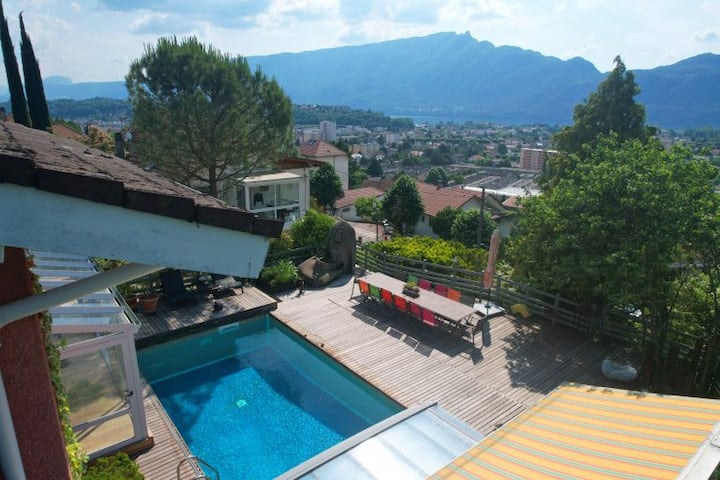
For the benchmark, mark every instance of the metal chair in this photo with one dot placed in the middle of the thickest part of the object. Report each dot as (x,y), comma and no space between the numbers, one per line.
(375,293)
(387,297)
(400,304)
(425,284)
(428,318)
(364,289)
(441,289)
(453,294)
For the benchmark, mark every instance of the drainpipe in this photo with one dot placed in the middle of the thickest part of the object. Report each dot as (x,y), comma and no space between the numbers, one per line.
(10,456)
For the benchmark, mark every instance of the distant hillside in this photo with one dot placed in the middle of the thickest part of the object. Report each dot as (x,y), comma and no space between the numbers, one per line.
(450,76)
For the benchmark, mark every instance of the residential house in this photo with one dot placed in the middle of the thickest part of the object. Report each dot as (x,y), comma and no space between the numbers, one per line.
(57,195)
(319,150)
(345,206)
(280,195)
(435,199)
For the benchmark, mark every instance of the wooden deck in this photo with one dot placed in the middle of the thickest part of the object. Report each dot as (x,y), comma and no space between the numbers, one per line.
(484,386)
(169,322)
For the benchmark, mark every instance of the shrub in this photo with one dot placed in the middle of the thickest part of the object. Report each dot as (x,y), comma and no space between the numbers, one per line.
(312,229)
(443,252)
(116,467)
(282,272)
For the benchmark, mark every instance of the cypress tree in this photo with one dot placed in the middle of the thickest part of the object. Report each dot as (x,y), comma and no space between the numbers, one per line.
(17,95)
(39,113)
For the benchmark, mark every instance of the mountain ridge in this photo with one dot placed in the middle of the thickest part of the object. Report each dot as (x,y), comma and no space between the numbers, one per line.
(454,77)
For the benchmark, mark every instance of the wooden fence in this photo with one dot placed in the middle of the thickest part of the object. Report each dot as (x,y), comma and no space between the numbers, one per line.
(504,292)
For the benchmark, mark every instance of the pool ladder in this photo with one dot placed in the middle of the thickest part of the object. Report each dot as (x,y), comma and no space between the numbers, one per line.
(200,462)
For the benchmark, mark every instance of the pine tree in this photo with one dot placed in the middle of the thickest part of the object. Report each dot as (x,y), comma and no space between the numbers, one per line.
(39,113)
(17,94)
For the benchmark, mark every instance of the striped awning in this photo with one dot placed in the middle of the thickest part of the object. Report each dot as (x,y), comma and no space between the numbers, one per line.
(585,432)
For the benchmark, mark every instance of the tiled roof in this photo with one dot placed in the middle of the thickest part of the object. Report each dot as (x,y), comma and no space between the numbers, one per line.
(377,182)
(511,202)
(34,158)
(319,149)
(288,163)
(351,196)
(435,199)
(67,132)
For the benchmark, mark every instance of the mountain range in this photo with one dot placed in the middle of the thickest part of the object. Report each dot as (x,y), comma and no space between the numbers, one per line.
(454,77)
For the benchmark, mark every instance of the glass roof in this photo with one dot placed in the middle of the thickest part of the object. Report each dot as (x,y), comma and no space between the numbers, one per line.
(97,310)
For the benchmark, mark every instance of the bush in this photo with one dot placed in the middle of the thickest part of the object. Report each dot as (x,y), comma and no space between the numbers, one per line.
(443,252)
(312,229)
(280,273)
(116,467)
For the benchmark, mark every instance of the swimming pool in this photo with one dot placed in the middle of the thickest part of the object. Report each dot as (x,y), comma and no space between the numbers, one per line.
(253,399)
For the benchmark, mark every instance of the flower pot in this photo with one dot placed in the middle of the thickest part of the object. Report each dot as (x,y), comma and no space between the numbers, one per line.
(133,302)
(149,302)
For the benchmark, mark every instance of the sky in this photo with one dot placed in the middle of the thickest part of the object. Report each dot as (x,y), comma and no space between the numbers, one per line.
(96,40)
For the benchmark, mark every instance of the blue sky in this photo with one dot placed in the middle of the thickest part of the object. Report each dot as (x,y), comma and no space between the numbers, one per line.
(95,40)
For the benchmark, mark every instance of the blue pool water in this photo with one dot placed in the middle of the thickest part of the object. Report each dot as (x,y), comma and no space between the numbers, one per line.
(254,400)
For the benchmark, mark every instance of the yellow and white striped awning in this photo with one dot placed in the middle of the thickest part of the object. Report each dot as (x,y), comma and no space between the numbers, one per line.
(585,432)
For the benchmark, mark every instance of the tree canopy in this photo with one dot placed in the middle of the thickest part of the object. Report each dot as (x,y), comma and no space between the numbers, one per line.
(466,224)
(326,186)
(12,70)
(370,208)
(442,223)
(437,176)
(37,104)
(202,116)
(402,204)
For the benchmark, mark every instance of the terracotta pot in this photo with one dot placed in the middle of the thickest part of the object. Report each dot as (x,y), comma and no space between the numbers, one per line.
(149,302)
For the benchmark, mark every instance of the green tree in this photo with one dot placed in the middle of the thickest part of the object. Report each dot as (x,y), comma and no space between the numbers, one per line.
(402,205)
(374,168)
(615,229)
(370,208)
(502,149)
(356,175)
(437,176)
(17,94)
(610,110)
(442,223)
(326,186)
(466,225)
(311,230)
(202,116)
(39,114)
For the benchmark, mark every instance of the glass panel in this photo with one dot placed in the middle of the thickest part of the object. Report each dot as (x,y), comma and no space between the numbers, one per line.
(73,338)
(106,434)
(95,384)
(259,197)
(288,193)
(288,214)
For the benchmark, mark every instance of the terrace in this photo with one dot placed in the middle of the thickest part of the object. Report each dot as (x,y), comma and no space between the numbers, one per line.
(484,386)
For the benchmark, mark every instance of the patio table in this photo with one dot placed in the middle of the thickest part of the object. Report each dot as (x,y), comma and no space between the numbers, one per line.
(449,310)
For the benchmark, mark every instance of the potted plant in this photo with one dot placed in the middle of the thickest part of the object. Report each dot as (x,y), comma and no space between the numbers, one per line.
(149,302)
(411,289)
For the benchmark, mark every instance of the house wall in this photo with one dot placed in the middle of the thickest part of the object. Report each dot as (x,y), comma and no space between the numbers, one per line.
(342,168)
(26,375)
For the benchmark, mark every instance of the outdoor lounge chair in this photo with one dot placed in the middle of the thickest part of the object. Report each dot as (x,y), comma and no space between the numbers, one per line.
(174,290)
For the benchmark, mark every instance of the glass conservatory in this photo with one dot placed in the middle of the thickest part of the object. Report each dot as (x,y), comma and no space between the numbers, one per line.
(98,362)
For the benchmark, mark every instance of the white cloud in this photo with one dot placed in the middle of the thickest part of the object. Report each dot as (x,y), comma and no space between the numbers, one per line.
(710,35)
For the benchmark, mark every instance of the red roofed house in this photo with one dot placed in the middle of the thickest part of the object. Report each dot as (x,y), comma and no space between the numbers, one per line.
(319,150)
(345,206)
(435,199)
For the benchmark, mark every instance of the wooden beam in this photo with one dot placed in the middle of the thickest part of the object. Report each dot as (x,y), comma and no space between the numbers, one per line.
(32,218)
